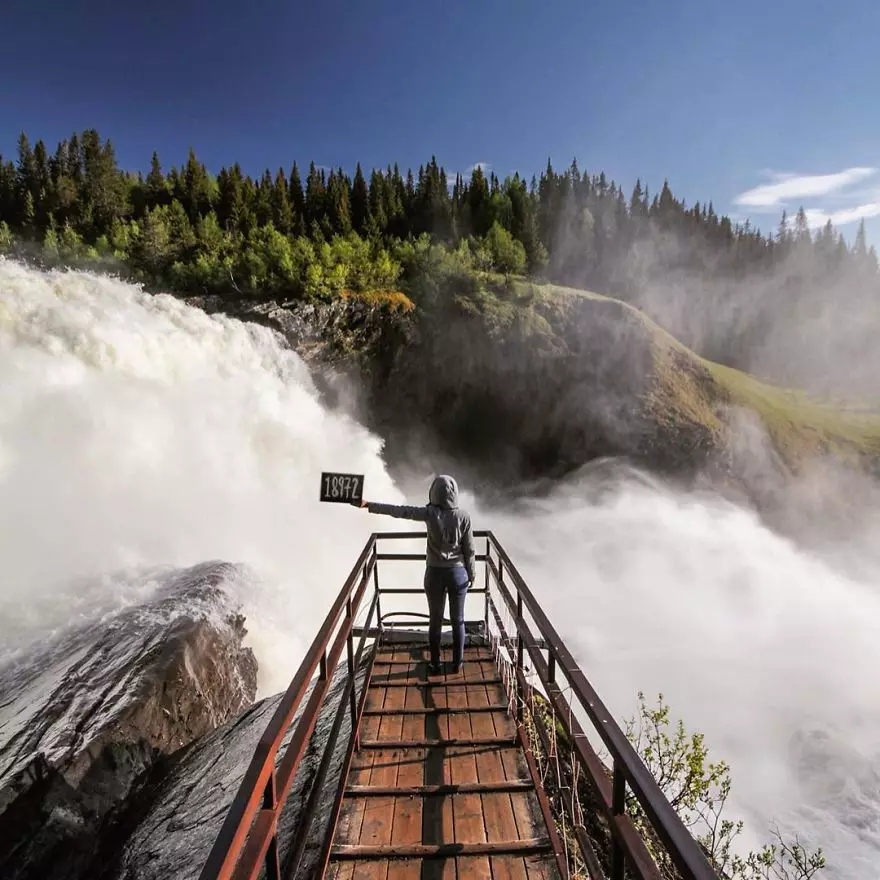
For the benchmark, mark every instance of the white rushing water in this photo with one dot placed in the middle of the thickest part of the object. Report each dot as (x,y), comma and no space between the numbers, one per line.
(136,431)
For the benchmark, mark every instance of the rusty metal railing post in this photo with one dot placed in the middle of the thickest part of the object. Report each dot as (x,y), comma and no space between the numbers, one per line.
(618,808)
(350,653)
(520,707)
(273,865)
(376,586)
(486,585)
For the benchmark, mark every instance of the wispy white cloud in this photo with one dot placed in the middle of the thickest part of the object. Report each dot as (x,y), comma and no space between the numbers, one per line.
(485,167)
(787,187)
(817,218)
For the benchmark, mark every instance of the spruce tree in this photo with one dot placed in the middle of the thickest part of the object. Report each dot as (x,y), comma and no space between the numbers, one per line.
(282,213)
(297,201)
(378,207)
(360,202)
(156,184)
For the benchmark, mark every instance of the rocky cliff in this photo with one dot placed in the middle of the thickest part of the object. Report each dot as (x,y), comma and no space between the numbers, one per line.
(85,715)
(528,381)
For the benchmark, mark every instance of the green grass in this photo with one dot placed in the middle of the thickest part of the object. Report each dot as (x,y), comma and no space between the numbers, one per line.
(689,388)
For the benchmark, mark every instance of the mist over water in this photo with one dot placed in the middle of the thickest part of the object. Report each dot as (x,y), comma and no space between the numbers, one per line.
(763,646)
(137,432)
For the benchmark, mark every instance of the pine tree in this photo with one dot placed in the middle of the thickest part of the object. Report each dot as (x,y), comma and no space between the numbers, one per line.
(8,195)
(282,213)
(360,202)
(198,188)
(860,248)
(230,206)
(297,201)
(802,229)
(635,202)
(315,200)
(27,183)
(378,207)
(478,202)
(156,184)
(263,204)
(338,207)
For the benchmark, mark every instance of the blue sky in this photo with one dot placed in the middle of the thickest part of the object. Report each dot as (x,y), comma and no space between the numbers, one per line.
(755,105)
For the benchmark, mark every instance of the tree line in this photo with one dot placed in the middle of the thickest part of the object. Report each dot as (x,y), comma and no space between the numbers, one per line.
(315,232)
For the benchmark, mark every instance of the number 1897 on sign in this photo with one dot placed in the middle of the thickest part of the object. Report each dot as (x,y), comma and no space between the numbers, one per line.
(342,488)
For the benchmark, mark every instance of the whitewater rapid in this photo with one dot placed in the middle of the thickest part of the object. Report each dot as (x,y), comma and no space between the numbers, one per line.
(136,431)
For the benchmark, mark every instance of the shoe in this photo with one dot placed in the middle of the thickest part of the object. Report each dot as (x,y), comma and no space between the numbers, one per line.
(454,669)
(435,669)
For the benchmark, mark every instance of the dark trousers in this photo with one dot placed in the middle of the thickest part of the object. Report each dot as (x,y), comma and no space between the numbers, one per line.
(440,583)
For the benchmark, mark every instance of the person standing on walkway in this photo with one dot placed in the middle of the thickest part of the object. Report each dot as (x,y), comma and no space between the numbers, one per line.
(450,561)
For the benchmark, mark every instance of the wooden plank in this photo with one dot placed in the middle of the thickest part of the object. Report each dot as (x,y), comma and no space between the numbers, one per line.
(382,743)
(437,824)
(436,710)
(508,868)
(467,809)
(340,871)
(422,653)
(434,790)
(381,852)
(476,868)
(351,818)
(541,868)
(407,815)
(405,869)
(497,808)
(368,870)
(379,812)
(524,812)
(383,682)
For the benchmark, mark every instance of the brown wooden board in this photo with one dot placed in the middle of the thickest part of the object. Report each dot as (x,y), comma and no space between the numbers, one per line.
(379,812)
(420,818)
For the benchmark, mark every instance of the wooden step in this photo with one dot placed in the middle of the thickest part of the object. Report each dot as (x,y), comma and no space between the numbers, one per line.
(440,851)
(511,785)
(409,661)
(454,681)
(438,710)
(500,741)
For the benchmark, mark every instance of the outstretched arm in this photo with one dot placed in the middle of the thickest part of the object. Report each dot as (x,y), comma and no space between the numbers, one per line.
(400,511)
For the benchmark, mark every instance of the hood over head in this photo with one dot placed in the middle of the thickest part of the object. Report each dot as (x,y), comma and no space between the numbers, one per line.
(444,492)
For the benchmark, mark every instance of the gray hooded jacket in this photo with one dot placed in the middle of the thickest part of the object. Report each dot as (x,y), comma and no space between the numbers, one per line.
(450,536)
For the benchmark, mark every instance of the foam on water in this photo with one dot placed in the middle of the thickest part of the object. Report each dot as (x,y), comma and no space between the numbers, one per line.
(137,431)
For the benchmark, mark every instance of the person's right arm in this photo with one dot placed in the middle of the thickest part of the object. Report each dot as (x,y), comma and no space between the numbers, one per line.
(400,511)
(467,548)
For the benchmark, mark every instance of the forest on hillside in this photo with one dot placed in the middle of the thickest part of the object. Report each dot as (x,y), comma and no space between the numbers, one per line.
(308,233)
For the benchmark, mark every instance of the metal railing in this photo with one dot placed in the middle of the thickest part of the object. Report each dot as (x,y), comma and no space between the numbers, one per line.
(247,840)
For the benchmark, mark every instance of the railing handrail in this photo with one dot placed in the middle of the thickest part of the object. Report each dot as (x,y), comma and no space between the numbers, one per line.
(230,840)
(259,780)
(668,825)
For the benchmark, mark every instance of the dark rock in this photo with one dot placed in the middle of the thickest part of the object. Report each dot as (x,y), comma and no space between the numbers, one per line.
(169,825)
(84,715)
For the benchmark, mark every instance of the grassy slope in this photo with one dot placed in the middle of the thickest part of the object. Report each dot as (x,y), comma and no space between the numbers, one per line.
(691,388)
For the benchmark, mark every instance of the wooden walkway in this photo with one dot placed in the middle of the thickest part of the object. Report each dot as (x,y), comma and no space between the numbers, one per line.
(441,787)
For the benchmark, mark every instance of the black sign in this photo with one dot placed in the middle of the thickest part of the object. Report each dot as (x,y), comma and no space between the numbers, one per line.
(342,488)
